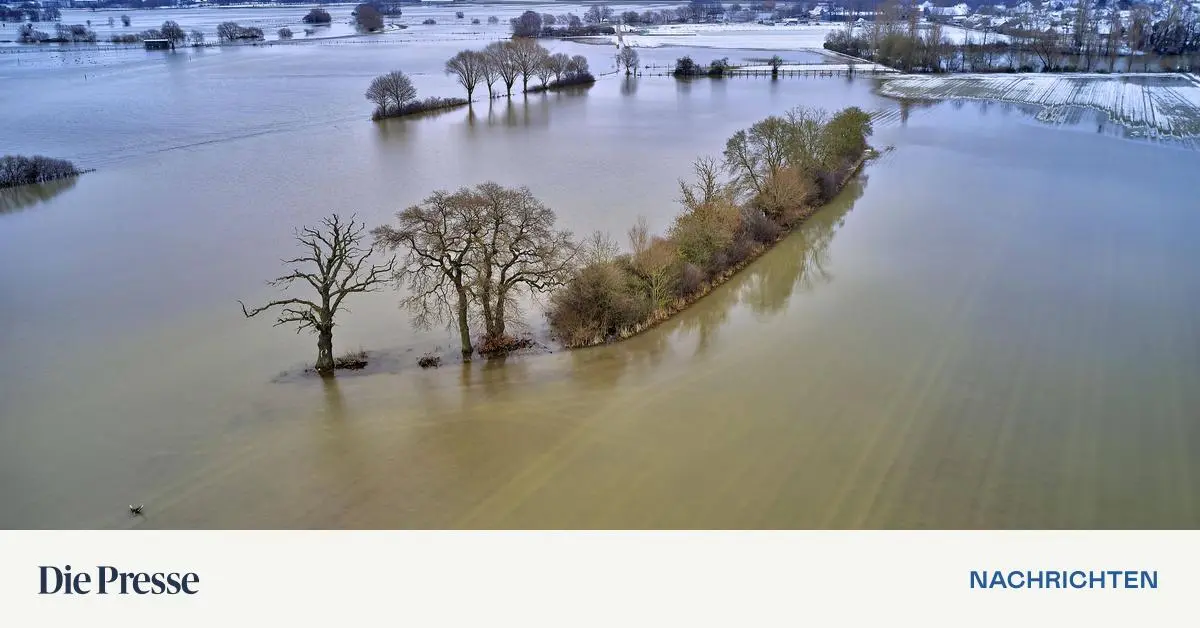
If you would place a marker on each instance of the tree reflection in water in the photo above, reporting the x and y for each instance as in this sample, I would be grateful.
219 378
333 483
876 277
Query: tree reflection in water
24 196
629 86
767 284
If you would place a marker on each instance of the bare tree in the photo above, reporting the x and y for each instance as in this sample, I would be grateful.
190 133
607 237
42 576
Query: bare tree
334 249
557 63
1112 42
518 249
438 237
197 38
628 57
172 32
708 186
502 58
468 67
393 89
544 70
775 62
527 56
488 72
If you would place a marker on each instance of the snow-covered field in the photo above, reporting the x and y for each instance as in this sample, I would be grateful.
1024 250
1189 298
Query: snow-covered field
733 36
1157 104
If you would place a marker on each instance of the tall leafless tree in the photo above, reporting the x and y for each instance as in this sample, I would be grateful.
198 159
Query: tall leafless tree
437 238
518 249
628 57
334 266
527 56
502 58
468 67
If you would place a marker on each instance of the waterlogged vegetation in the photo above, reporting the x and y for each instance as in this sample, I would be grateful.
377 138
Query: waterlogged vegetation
780 170
21 170
394 95
470 255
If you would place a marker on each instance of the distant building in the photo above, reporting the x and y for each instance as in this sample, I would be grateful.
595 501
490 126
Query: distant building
157 44
959 10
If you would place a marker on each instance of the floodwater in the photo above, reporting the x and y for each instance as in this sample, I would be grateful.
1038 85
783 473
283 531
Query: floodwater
993 328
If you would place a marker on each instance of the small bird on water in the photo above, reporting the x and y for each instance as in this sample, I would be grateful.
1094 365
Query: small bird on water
136 510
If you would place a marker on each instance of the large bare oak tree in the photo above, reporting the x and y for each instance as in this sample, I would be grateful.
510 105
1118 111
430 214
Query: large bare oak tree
334 265
469 254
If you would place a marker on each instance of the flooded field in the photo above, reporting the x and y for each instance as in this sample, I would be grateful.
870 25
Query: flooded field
1165 104
985 331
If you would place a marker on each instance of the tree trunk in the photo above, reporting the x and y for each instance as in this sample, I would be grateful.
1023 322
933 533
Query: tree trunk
470 90
498 330
325 350
464 332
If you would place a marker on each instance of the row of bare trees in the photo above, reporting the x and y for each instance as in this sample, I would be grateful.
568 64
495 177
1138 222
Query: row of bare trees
506 61
465 257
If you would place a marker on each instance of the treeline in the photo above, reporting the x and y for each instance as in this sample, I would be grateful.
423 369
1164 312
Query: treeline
1097 39
503 62
780 170
21 170
597 20
63 34
29 12
533 24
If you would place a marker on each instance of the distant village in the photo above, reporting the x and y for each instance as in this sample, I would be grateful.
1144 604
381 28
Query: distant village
931 36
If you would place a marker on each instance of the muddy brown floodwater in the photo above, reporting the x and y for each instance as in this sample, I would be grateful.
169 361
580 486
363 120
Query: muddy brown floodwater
995 327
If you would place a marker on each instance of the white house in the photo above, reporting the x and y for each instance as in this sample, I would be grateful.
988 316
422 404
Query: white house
959 10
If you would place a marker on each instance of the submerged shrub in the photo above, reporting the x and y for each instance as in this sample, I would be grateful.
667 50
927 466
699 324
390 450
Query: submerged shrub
417 106
756 227
691 279
596 303
705 230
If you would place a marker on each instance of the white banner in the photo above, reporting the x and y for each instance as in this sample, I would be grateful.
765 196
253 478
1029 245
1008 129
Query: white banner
609 579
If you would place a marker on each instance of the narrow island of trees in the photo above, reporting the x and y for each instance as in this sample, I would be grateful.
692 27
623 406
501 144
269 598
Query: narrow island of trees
466 258
780 171
334 265
394 95
21 170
